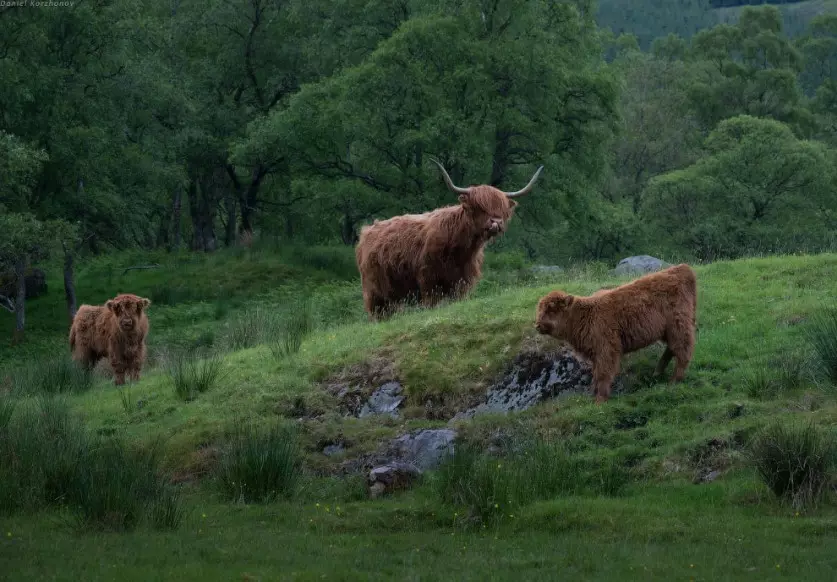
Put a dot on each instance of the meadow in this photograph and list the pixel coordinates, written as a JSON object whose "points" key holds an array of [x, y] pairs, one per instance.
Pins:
{"points": [[211, 467]]}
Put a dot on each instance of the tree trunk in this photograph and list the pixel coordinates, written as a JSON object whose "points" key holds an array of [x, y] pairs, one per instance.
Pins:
{"points": [[348, 232], [229, 234], [20, 300], [176, 203], [69, 283], [250, 198]]}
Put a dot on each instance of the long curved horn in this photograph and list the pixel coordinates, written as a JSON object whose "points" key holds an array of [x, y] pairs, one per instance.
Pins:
{"points": [[525, 190], [448, 181]]}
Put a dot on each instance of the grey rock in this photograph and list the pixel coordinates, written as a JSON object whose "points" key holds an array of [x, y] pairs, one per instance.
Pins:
{"points": [[424, 449], [333, 449], [391, 477], [532, 378], [639, 265], [707, 476], [384, 400]]}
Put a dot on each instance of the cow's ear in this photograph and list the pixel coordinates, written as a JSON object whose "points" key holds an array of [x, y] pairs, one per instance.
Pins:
{"points": [[568, 300], [512, 203], [464, 199], [144, 303], [110, 305]]}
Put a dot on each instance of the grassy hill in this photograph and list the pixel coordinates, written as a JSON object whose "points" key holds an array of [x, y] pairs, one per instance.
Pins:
{"points": [[610, 495]]}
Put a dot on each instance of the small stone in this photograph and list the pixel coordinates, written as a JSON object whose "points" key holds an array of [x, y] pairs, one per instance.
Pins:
{"points": [[394, 476]]}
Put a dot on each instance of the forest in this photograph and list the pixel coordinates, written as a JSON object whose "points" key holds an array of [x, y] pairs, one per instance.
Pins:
{"points": [[202, 125]]}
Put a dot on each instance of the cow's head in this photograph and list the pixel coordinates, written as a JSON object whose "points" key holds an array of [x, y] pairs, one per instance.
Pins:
{"points": [[128, 310], [488, 207], [552, 317]]}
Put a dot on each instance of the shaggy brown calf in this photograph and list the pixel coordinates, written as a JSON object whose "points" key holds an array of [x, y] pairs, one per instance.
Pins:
{"points": [[656, 307], [435, 255], [115, 331]]}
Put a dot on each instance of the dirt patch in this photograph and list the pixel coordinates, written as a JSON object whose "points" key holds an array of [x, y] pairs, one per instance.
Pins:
{"points": [[200, 464]]}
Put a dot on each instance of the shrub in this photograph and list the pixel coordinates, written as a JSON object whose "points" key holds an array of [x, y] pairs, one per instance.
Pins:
{"points": [[192, 374], [52, 376], [794, 462], [259, 465], [822, 334]]}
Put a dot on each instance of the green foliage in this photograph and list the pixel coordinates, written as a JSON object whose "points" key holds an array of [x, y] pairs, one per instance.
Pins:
{"points": [[737, 198], [795, 462], [259, 464]]}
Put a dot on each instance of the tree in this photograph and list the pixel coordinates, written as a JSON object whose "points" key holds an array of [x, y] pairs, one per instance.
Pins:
{"points": [[490, 87], [738, 198]]}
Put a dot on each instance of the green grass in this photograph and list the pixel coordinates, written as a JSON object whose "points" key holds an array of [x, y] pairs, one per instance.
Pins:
{"points": [[611, 496]]}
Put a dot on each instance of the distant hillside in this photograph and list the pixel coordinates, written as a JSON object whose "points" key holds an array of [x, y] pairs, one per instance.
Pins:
{"points": [[796, 14], [650, 19]]}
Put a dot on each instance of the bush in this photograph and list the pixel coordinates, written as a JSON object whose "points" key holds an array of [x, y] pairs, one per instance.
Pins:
{"points": [[822, 334], [260, 465], [192, 374], [52, 376], [794, 462]]}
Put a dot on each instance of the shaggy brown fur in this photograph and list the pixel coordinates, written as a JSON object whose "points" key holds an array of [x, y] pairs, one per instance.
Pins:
{"points": [[115, 331], [656, 307], [432, 256]]}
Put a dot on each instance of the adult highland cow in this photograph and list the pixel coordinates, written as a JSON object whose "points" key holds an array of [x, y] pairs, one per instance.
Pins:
{"points": [[115, 331], [611, 322], [432, 256]]}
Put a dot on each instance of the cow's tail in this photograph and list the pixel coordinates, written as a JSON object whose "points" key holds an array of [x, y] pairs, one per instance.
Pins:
{"points": [[72, 339]]}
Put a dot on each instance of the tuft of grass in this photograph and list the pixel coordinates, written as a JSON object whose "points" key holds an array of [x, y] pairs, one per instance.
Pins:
{"points": [[489, 487], [260, 464], [192, 373], [166, 512], [822, 334], [7, 409], [795, 462], [250, 328], [52, 376], [296, 325], [48, 459]]}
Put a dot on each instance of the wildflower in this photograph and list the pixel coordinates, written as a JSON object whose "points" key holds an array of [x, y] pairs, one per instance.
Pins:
{"points": [[496, 506], [8, 534], [499, 465], [778, 566], [691, 565], [203, 516], [317, 505], [797, 514], [200, 531]]}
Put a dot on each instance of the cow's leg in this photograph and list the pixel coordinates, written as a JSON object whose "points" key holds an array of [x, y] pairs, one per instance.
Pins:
{"points": [[605, 368], [682, 344], [119, 368], [664, 361]]}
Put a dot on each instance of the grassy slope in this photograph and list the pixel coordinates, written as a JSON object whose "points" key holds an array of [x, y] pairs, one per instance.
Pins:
{"points": [[751, 317]]}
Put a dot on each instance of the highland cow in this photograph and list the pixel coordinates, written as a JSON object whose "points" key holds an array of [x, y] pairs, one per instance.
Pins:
{"points": [[432, 256], [602, 327], [115, 331]]}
